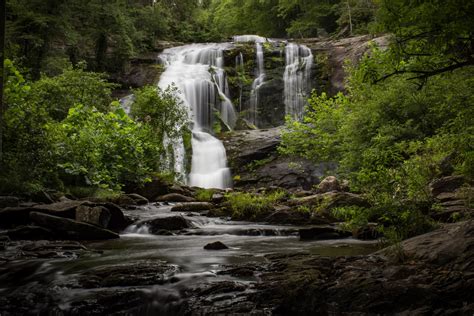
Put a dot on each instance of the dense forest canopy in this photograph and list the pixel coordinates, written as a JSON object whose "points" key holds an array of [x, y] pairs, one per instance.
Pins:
{"points": [[46, 35]]}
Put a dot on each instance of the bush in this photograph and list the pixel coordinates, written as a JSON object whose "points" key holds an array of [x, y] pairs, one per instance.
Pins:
{"points": [[252, 205], [204, 195]]}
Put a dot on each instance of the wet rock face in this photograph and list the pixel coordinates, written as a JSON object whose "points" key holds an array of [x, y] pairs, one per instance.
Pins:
{"points": [[71, 229], [255, 162]]}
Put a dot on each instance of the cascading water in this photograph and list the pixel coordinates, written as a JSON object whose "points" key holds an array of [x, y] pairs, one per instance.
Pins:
{"points": [[257, 83], [297, 78], [239, 66], [252, 115], [197, 71]]}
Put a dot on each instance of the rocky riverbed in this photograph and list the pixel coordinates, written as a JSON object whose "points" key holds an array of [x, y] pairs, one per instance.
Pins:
{"points": [[167, 253]]}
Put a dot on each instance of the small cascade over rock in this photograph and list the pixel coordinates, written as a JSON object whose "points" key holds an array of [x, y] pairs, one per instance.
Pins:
{"points": [[297, 78], [197, 71], [252, 115], [239, 66], [249, 38], [257, 83]]}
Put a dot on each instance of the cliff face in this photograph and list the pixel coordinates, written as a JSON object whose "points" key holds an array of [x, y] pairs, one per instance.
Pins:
{"points": [[331, 55]]}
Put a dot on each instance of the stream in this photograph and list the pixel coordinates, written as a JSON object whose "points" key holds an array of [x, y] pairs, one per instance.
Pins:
{"points": [[158, 274]]}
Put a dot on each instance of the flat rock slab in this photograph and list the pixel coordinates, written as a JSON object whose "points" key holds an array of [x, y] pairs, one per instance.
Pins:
{"points": [[192, 207], [65, 208], [71, 229]]}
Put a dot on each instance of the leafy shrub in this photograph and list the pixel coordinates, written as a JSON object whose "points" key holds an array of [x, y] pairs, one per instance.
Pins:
{"points": [[204, 195], [252, 205]]}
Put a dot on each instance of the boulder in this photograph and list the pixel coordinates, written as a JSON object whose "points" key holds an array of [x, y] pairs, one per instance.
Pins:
{"points": [[446, 184], [139, 200], [9, 201], [175, 197], [64, 208], [285, 215], [166, 223], [322, 233], [217, 245], [192, 207], [153, 189], [124, 200], [329, 184], [31, 233], [71, 229], [217, 198], [98, 215], [117, 221]]}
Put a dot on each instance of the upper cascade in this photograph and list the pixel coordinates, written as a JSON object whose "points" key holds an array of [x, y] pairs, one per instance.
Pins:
{"points": [[249, 38], [297, 78], [196, 70]]}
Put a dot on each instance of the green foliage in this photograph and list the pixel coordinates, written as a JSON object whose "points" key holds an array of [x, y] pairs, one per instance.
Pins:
{"points": [[204, 195], [252, 205], [431, 36], [160, 109], [104, 149], [390, 139], [27, 149], [73, 86], [100, 149]]}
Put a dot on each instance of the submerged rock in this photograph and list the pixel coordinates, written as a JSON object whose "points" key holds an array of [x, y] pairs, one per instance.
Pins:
{"points": [[160, 224], [217, 245], [322, 233]]}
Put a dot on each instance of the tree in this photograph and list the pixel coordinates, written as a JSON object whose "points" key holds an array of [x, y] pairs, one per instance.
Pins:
{"points": [[432, 37]]}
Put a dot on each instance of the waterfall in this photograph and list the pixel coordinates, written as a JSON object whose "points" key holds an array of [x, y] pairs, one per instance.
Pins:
{"points": [[297, 78], [252, 115], [257, 83], [249, 38], [197, 71], [239, 66]]}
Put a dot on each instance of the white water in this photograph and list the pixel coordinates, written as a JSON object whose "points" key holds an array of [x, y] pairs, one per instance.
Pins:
{"points": [[297, 78], [257, 83], [197, 71], [239, 66], [249, 38]]}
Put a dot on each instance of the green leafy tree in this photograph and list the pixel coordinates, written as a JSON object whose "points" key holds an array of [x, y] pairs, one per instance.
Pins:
{"points": [[73, 86], [433, 37]]}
